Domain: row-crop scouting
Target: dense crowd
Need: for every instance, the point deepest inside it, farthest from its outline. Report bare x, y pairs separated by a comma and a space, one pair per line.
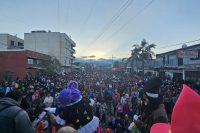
116, 97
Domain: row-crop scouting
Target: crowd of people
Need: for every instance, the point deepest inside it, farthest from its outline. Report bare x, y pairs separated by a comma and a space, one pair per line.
122, 102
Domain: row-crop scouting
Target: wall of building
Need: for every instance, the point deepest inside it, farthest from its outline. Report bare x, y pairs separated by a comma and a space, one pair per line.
173, 59
3, 38
13, 61
159, 62
46, 43
183, 66
3, 46
17, 62
54, 44
6, 39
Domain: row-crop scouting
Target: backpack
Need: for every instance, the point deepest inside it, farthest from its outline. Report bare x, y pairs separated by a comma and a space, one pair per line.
7, 118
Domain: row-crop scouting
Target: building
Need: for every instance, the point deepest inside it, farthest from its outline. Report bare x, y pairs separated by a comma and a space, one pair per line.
55, 44
136, 66
8, 41
20, 63
180, 63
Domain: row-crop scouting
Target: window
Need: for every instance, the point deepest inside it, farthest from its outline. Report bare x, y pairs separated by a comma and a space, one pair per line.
20, 44
171, 62
198, 57
30, 61
38, 61
12, 43
164, 60
180, 61
168, 59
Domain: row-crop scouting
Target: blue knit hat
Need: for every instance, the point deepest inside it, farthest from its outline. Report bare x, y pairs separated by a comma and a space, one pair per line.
70, 95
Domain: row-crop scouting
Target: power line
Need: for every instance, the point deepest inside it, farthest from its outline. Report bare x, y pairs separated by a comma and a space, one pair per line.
58, 14
172, 45
68, 12
113, 19
15, 19
137, 14
87, 18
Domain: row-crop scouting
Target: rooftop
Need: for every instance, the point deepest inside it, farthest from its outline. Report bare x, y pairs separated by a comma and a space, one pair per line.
185, 48
6, 34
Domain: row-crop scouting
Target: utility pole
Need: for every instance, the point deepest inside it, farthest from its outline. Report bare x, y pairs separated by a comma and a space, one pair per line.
112, 60
143, 63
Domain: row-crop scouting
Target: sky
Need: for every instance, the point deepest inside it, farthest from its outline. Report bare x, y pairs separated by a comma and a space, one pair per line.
106, 28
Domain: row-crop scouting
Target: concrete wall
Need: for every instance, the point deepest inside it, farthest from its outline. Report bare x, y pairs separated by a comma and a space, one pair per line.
46, 43
16, 41
3, 38
3, 46
159, 62
16, 62
13, 61
188, 62
52, 43
6, 40
173, 60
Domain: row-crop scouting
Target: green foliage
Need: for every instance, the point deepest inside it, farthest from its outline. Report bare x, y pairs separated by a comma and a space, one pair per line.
52, 65
116, 64
7, 76
141, 53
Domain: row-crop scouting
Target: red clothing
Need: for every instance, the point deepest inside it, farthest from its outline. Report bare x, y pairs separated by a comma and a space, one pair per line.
126, 108
119, 108
116, 94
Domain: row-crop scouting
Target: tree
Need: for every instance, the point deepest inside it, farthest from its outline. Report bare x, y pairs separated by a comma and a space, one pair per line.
142, 53
7, 76
124, 61
116, 64
135, 56
52, 65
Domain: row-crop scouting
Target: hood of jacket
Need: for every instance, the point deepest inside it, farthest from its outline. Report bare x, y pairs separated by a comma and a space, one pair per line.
7, 102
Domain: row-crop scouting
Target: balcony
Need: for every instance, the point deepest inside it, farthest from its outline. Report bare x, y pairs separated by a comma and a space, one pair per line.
73, 44
15, 47
73, 50
73, 57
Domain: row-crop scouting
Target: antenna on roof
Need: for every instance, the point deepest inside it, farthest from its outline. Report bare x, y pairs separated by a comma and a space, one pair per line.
184, 45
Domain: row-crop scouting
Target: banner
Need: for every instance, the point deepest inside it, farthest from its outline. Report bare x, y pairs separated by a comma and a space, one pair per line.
187, 53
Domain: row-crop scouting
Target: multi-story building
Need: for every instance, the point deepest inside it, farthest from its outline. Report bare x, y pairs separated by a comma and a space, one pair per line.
181, 63
55, 44
20, 63
8, 41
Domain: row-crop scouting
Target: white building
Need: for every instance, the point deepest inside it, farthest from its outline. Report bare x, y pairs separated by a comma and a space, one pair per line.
55, 44
182, 63
136, 66
8, 41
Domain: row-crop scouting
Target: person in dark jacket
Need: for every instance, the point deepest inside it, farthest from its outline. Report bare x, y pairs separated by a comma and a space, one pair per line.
153, 112
13, 119
119, 124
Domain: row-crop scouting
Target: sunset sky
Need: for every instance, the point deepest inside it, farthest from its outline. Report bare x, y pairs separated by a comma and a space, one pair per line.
106, 28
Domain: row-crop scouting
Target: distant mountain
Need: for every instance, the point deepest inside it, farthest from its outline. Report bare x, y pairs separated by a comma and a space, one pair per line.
98, 62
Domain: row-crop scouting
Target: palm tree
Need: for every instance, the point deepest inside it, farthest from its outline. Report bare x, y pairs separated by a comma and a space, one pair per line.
124, 61
142, 52
146, 52
134, 56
